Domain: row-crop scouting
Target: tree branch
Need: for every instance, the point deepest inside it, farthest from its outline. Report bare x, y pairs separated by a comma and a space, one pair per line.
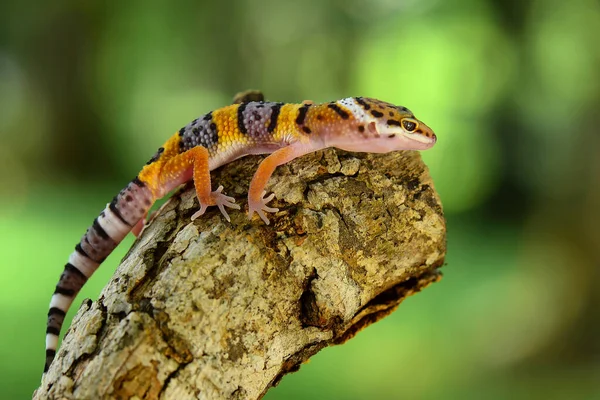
216, 310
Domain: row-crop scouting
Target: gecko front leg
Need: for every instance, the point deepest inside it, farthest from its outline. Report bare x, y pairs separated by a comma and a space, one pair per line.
201, 174
257, 202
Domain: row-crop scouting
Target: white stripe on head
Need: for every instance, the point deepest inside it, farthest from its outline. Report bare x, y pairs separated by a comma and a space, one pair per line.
51, 341
86, 265
61, 301
112, 225
356, 109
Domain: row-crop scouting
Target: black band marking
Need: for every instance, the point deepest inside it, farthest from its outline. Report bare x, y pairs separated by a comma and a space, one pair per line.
275, 110
49, 359
94, 250
338, 110
75, 271
376, 114
50, 354
56, 311
80, 250
362, 103
302, 114
240, 117
306, 129
100, 230
113, 208
393, 122
53, 330
64, 291
138, 181
208, 116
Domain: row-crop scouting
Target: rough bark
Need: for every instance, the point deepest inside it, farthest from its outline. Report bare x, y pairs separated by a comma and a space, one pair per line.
216, 310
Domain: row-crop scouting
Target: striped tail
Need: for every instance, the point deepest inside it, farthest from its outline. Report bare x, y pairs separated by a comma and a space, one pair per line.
106, 232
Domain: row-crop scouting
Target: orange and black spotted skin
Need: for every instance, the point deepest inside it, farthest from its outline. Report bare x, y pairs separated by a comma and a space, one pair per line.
284, 131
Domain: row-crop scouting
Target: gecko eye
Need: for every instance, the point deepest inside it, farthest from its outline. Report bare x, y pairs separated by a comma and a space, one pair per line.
409, 125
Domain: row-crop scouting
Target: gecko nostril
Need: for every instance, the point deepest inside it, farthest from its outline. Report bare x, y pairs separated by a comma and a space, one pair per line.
372, 127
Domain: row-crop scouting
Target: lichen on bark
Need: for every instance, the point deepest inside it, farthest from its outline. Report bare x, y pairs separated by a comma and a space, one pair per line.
216, 310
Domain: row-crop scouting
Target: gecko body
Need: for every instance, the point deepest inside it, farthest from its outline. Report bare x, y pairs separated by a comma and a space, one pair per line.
284, 131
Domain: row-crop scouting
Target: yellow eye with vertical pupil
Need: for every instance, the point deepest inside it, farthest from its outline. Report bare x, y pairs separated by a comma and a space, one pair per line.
408, 125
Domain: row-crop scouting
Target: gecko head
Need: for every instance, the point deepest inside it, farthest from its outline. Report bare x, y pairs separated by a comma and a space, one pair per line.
383, 127
394, 127
405, 133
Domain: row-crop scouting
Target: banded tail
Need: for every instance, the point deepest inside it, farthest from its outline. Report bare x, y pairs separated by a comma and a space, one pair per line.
107, 231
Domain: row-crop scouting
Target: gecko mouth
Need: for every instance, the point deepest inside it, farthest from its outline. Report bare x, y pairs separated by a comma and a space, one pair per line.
422, 138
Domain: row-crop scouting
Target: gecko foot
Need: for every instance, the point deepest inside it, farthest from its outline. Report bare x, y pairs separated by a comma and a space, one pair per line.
260, 206
220, 200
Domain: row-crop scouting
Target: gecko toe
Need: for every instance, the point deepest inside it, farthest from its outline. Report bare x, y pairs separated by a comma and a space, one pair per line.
262, 216
260, 207
222, 208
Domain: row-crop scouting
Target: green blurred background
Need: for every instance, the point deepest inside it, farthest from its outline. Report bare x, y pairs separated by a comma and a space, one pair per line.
88, 91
